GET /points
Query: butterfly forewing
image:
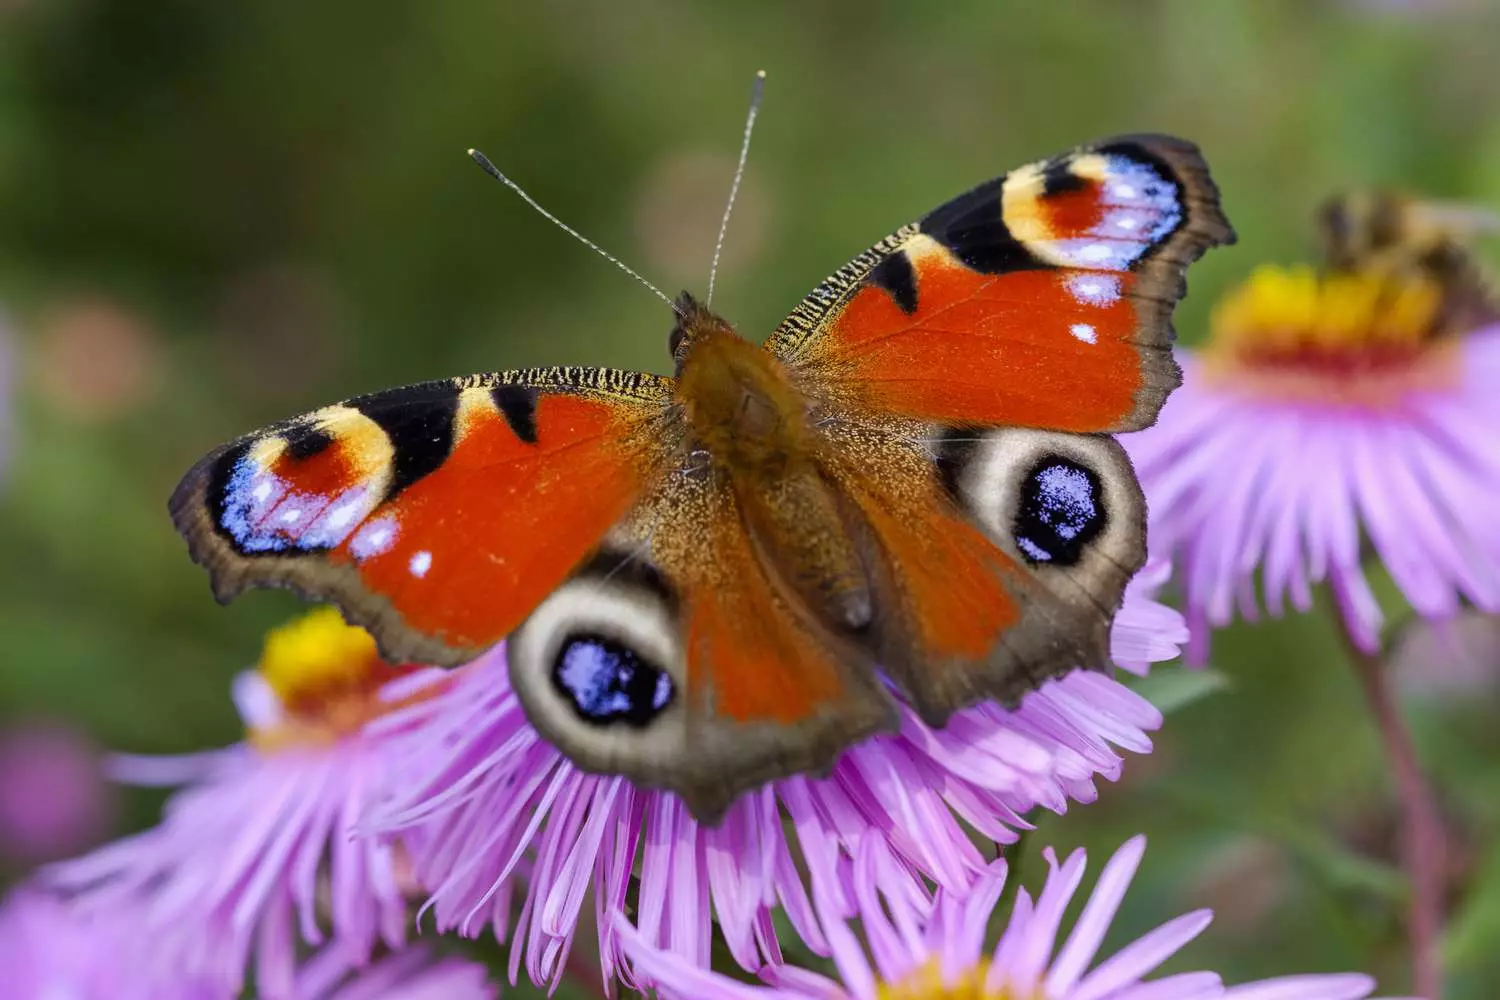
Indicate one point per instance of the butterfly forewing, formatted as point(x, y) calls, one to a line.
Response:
point(1040, 299)
point(437, 515)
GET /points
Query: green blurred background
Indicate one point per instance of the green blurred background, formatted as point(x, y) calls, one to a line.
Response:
point(214, 215)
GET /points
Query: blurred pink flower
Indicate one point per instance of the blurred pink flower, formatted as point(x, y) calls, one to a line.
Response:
point(95, 358)
point(7, 396)
point(923, 948)
point(54, 799)
point(415, 973)
point(257, 850)
point(1327, 407)
point(50, 952)
point(500, 826)
point(678, 207)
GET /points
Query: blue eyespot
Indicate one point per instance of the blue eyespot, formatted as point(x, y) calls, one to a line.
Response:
point(607, 682)
point(1060, 512)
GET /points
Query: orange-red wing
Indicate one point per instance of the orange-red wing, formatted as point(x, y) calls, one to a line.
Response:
point(438, 515)
point(1041, 299)
point(951, 578)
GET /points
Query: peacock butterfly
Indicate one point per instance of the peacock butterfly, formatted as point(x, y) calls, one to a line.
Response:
point(712, 580)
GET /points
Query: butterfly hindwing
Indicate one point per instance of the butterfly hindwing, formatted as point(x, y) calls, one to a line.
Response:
point(437, 515)
point(1002, 554)
point(1040, 299)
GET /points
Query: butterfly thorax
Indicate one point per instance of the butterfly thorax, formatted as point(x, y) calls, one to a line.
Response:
point(744, 412)
point(740, 404)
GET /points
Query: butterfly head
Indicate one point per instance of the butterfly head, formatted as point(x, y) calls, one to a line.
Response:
point(695, 322)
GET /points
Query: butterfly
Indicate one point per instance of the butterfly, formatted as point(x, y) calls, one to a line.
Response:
point(716, 579)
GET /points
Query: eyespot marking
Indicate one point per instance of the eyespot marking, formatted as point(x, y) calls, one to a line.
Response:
point(1061, 510)
point(607, 682)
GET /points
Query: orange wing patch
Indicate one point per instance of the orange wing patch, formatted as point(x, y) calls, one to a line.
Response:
point(961, 618)
point(1039, 348)
point(950, 581)
point(466, 552)
point(951, 577)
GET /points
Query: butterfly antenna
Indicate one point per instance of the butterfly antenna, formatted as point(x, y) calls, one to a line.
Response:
point(494, 171)
point(757, 91)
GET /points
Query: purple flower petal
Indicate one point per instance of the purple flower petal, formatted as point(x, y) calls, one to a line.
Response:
point(478, 791)
point(235, 873)
point(951, 931)
point(1239, 483)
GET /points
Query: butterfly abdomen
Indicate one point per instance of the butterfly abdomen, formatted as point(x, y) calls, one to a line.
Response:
point(797, 524)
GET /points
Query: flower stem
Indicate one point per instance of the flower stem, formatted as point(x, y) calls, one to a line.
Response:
point(1423, 842)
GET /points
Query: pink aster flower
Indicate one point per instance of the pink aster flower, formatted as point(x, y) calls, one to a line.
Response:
point(1327, 407)
point(508, 835)
point(924, 948)
point(49, 951)
point(255, 852)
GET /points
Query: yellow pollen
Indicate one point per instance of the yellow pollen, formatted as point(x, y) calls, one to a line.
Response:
point(1280, 309)
point(327, 675)
point(316, 653)
point(1349, 334)
point(927, 983)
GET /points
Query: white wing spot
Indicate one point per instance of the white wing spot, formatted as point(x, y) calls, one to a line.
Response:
point(262, 491)
point(420, 564)
point(1123, 191)
point(1127, 221)
point(373, 539)
point(1084, 332)
point(1094, 289)
point(290, 515)
point(1096, 251)
point(341, 515)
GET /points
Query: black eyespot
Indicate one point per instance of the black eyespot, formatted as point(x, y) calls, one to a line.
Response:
point(1061, 511)
point(608, 682)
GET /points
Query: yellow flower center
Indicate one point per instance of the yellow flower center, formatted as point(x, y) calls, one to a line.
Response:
point(327, 674)
point(927, 983)
point(1339, 335)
